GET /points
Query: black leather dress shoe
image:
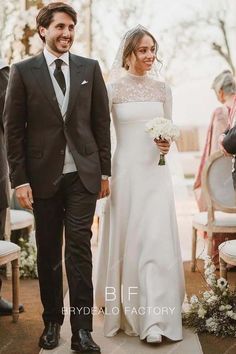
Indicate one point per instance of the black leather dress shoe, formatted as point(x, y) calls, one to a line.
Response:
point(6, 307)
point(82, 342)
point(50, 336)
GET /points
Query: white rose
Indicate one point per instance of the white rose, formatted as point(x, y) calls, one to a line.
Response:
point(222, 283)
point(212, 268)
point(228, 307)
point(212, 299)
point(211, 280)
point(211, 325)
point(206, 295)
point(222, 308)
point(230, 313)
point(201, 312)
point(207, 272)
point(193, 300)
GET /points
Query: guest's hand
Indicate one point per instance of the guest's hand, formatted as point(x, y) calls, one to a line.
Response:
point(25, 197)
point(163, 145)
point(105, 189)
point(222, 149)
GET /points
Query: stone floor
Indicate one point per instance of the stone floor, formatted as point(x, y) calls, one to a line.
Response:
point(122, 344)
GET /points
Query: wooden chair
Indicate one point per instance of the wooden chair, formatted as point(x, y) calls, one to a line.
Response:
point(227, 255)
point(16, 220)
point(20, 219)
point(217, 184)
point(10, 252)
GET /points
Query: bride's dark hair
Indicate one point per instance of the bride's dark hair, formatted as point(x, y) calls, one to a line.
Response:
point(132, 41)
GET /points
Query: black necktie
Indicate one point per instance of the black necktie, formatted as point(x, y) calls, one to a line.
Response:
point(59, 76)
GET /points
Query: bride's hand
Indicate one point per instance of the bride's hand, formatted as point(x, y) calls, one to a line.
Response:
point(163, 145)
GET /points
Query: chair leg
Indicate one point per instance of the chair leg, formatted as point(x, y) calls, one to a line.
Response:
point(7, 237)
point(15, 289)
point(223, 268)
point(8, 271)
point(194, 249)
point(209, 243)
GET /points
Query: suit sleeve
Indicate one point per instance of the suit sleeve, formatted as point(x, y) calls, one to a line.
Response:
point(14, 117)
point(4, 73)
point(229, 142)
point(101, 120)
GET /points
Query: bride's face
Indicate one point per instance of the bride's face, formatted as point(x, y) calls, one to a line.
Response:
point(142, 59)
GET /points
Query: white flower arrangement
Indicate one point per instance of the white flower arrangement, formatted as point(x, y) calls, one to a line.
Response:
point(215, 311)
point(28, 259)
point(162, 128)
point(20, 25)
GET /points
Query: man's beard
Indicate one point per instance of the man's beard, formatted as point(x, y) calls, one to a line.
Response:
point(53, 46)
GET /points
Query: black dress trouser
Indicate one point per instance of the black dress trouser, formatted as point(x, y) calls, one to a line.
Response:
point(73, 207)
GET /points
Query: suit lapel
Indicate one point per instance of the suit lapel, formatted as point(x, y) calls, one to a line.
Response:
point(42, 75)
point(76, 71)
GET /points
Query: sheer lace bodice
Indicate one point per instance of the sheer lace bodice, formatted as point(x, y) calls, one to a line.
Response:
point(133, 88)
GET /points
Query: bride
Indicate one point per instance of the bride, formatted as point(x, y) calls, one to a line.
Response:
point(139, 268)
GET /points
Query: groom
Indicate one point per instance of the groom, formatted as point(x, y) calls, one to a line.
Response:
point(58, 141)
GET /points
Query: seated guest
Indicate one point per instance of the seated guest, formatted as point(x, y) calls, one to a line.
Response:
point(224, 86)
point(5, 306)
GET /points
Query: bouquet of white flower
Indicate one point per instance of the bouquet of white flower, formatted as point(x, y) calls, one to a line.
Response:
point(215, 311)
point(162, 128)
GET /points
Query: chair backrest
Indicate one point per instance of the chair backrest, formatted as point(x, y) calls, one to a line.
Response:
point(217, 183)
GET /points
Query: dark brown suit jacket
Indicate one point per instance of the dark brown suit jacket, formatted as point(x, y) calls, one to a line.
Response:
point(4, 186)
point(37, 134)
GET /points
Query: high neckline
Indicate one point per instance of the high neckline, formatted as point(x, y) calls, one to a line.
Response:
point(137, 77)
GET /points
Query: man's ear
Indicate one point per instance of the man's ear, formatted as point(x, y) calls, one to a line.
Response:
point(42, 31)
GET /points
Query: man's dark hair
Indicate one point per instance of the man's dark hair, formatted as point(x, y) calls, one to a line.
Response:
point(45, 15)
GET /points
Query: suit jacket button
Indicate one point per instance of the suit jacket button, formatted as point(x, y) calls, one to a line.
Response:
point(62, 152)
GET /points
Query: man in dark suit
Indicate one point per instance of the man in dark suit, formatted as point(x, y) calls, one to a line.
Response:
point(58, 140)
point(4, 197)
point(5, 306)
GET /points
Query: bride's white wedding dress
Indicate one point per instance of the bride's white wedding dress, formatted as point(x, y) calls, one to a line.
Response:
point(139, 266)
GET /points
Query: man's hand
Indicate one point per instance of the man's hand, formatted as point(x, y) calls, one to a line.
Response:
point(222, 149)
point(105, 189)
point(25, 197)
point(163, 145)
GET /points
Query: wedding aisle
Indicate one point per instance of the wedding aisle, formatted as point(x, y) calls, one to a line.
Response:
point(122, 344)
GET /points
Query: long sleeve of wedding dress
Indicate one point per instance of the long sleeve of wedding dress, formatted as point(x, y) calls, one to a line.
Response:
point(139, 268)
point(167, 105)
